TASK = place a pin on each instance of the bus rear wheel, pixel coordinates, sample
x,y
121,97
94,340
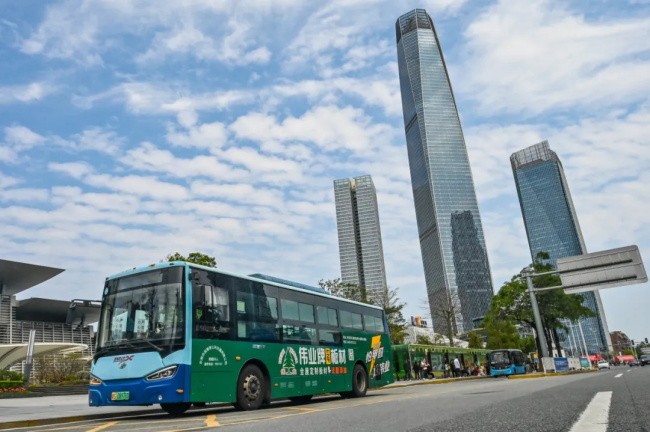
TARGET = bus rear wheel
x,y
359,383
251,388
175,409
299,400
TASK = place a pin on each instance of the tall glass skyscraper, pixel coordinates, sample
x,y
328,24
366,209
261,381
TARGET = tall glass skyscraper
x,y
360,246
552,226
455,259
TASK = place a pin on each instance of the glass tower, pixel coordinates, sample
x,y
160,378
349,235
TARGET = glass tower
x,y
360,247
456,267
552,226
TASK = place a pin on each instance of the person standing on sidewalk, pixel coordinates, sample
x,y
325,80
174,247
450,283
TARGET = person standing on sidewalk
x,y
456,367
407,369
416,369
424,368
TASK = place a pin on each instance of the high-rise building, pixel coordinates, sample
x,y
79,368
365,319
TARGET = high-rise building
x,y
552,226
456,267
360,247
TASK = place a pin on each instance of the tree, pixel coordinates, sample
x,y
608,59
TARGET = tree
x,y
345,290
501,334
194,257
445,309
423,340
512,304
393,306
475,340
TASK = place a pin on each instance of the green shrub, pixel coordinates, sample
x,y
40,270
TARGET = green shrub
x,y
10,384
6,375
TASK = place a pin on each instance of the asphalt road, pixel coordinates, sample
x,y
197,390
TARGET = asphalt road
x,y
615,400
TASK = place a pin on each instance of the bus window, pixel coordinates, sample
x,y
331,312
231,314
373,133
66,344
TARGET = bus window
x,y
257,313
327,316
211,312
373,324
329,337
351,320
299,334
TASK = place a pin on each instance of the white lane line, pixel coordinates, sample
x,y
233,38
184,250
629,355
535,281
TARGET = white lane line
x,y
595,417
619,375
629,370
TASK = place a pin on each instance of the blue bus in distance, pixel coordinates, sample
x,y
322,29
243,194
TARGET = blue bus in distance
x,y
506,362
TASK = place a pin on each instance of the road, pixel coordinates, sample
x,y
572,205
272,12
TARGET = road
x,y
607,401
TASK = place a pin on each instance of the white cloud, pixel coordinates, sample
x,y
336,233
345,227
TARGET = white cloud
x,y
22,137
32,92
535,56
75,170
206,136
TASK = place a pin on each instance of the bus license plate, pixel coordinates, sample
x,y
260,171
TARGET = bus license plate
x,y
120,396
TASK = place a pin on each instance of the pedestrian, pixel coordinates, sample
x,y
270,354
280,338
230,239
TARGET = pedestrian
x,y
457,369
407,369
424,368
416,369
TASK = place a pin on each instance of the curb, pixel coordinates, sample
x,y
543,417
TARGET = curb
x,y
547,375
434,381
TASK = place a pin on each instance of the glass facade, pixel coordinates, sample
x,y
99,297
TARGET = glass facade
x,y
360,246
456,266
552,226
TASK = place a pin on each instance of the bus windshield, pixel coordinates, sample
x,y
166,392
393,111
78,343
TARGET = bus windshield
x,y
499,357
143,312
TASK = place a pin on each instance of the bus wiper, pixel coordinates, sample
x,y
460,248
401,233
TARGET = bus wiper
x,y
156,347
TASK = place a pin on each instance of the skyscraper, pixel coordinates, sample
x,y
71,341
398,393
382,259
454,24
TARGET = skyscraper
x,y
552,226
456,267
360,247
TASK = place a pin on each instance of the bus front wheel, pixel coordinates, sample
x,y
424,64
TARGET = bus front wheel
x,y
251,388
175,409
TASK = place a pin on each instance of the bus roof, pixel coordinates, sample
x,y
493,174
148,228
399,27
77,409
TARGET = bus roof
x,y
254,279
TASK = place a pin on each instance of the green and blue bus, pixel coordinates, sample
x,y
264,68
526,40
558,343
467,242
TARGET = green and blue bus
x,y
178,334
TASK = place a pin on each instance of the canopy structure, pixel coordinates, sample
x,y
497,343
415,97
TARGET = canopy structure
x,y
594,358
16,277
10,354
625,358
73,312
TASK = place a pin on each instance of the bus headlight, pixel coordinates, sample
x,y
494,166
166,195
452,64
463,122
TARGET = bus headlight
x,y
94,380
165,373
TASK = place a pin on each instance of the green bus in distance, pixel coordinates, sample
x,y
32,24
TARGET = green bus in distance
x,y
179,333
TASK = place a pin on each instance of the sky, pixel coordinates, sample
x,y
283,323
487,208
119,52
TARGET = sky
x,y
130,130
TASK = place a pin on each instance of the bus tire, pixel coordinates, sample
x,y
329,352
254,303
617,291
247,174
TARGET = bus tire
x,y
300,400
175,409
251,388
359,381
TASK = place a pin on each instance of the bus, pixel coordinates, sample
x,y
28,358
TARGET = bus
x,y
178,334
506,362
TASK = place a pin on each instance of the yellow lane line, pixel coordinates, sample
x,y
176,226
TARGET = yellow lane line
x,y
303,409
211,421
104,426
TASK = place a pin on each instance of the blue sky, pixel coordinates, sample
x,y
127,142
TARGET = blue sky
x,y
130,130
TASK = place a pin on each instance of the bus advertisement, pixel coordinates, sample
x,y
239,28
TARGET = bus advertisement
x,y
178,333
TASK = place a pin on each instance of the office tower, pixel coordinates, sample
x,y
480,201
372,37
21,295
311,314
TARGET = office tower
x,y
360,248
456,267
552,226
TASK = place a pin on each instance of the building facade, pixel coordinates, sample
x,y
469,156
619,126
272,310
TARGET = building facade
x,y
552,226
456,266
53,321
360,247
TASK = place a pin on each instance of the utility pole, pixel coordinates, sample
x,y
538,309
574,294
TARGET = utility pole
x,y
539,328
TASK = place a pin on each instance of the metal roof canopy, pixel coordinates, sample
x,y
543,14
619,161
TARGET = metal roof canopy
x,y
604,269
16,276
10,354
60,311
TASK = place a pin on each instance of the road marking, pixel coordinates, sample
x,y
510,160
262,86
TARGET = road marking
x,y
302,409
104,426
211,421
619,375
629,370
595,417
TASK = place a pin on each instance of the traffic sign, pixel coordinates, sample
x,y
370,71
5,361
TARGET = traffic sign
x,y
604,269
